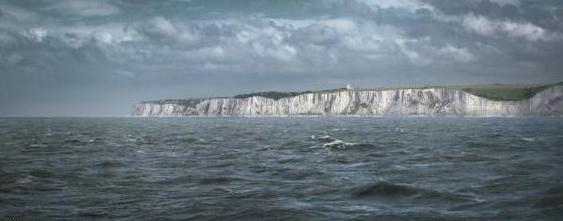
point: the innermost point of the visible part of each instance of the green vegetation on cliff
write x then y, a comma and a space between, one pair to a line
191, 102
497, 92
505, 93
276, 95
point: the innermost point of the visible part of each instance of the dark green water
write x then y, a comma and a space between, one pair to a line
281, 168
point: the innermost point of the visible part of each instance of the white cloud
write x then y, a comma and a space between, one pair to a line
490, 27
480, 24
412, 50
302, 44
85, 7
77, 36
36, 34
162, 27
460, 54
506, 2
410, 5
16, 13
11, 59
263, 44
525, 30
316, 34
6, 38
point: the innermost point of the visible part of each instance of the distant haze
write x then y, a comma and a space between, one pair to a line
99, 57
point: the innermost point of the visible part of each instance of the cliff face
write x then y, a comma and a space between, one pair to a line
431, 102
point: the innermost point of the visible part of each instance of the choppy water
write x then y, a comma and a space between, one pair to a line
282, 168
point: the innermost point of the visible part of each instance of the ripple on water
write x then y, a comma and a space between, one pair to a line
297, 173
390, 191
205, 180
552, 198
111, 164
218, 180
273, 169
329, 143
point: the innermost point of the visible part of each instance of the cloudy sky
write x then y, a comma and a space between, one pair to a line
99, 57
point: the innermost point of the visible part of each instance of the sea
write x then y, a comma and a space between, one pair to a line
285, 168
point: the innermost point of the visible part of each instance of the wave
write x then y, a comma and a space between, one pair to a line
387, 190
184, 140
384, 189
325, 138
40, 173
298, 173
93, 214
201, 180
343, 145
261, 212
339, 129
425, 215
330, 143
111, 164
551, 198
337, 144
25, 180
80, 140
218, 180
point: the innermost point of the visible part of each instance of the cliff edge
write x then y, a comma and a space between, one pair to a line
492, 100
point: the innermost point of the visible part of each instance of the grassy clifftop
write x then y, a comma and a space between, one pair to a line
191, 102
498, 92
276, 95
505, 93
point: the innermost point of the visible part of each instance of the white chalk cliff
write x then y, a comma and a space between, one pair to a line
397, 102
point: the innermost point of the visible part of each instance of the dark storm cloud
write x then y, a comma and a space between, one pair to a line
92, 57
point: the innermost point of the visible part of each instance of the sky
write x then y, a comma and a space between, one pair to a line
100, 57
